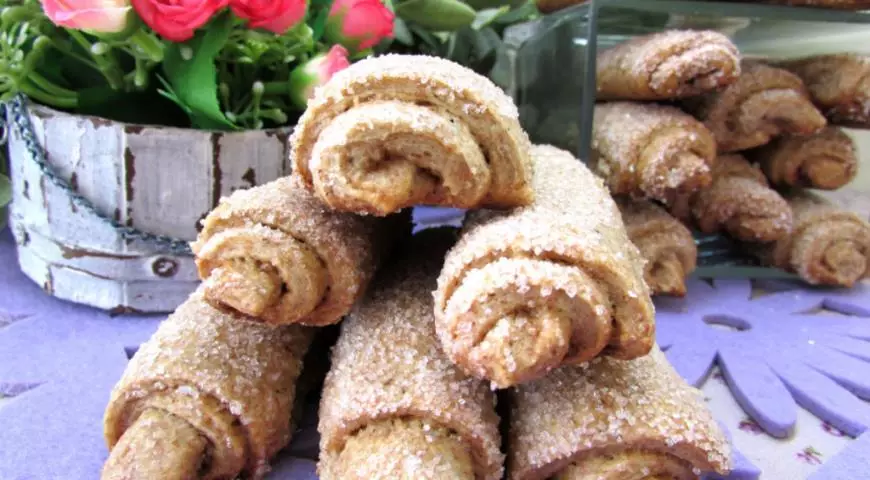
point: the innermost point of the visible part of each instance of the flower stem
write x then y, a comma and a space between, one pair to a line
148, 44
106, 63
48, 86
276, 88
48, 99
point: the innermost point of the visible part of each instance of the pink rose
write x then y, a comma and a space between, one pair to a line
276, 16
314, 73
104, 16
358, 24
176, 20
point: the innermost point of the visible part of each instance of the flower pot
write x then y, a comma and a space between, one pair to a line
92, 240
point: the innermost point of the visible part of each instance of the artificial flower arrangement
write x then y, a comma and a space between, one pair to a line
221, 64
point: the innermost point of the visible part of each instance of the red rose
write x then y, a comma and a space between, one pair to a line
176, 20
277, 16
358, 24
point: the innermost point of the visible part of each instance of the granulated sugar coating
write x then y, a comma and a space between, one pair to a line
650, 151
611, 413
556, 282
439, 96
827, 246
667, 65
664, 242
839, 85
233, 381
279, 255
826, 160
389, 378
764, 102
740, 202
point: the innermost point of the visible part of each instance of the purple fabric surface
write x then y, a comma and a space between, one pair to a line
853, 463
61, 360
775, 356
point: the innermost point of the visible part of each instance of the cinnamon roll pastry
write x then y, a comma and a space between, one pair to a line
826, 160
558, 282
207, 397
277, 255
839, 84
667, 65
664, 242
650, 151
393, 406
739, 202
765, 102
827, 246
613, 419
395, 131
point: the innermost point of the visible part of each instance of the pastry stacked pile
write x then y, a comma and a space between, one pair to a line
686, 132
540, 294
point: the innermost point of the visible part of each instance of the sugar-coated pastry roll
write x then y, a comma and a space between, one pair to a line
827, 246
558, 282
826, 160
396, 131
667, 65
278, 255
664, 242
613, 419
739, 202
207, 397
839, 84
653, 151
764, 102
393, 406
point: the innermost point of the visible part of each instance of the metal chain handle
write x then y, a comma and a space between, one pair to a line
13, 114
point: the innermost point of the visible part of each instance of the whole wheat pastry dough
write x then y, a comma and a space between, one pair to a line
839, 84
652, 151
557, 282
667, 65
207, 397
764, 102
827, 246
278, 255
396, 131
826, 160
393, 406
664, 242
738, 202
613, 419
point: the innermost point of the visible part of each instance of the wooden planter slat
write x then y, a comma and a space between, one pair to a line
157, 180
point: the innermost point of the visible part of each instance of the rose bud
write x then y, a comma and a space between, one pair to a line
314, 73
176, 20
358, 24
98, 16
277, 16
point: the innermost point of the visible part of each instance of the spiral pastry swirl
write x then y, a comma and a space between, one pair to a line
765, 102
558, 282
396, 131
826, 160
277, 255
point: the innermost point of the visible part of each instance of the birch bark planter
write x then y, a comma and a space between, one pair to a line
157, 180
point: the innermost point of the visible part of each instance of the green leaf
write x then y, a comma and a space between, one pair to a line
486, 17
484, 4
401, 32
194, 81
319, 24
5, 191
437, 15
427, 37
